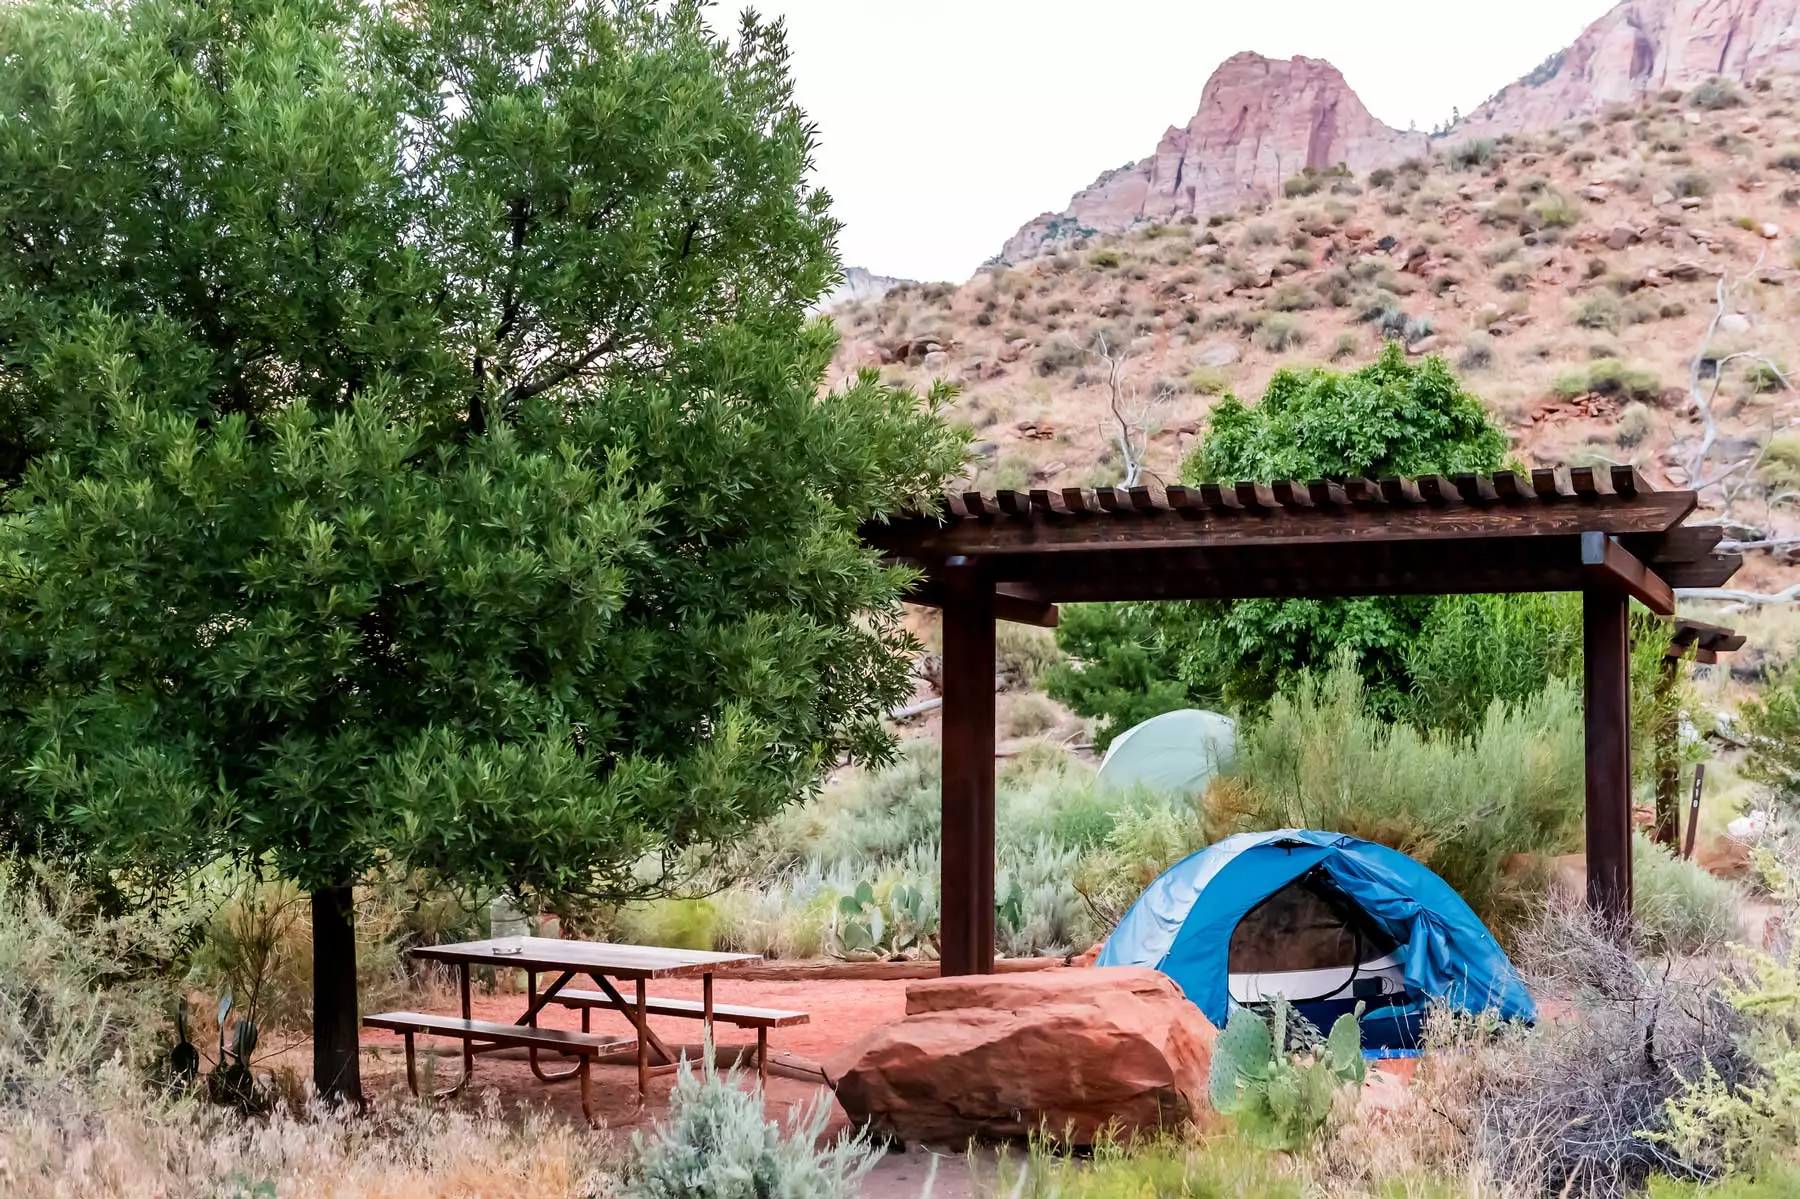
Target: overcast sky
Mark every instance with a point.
(944, 125)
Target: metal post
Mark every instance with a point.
(967, 795)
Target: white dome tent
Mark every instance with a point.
(1178, 752)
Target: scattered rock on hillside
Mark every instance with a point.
(1691, 202)
(1596, 192)
(1662, 197)
(1218, 353)
(1734, 322)
(1621, 236)
(1770, 230)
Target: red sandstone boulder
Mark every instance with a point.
(1068, 1052)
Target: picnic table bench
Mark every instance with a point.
(762, 1019)
(602, 963)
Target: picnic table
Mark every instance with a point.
(604, 964)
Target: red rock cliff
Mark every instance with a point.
(1260, 121)
(1643, 46)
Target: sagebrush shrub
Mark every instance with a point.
(717, 1143)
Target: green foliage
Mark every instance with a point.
(391, 440)
(717, 1143)
(1609, 377)
(1217, 1167)
(1104, 259)
(1600, 311)
(1208, 381)
(1733, 1128)
(1680, 907)
(1279, 333)
(1280, 1098)
(1392, 417)
(81, 996)
(1475, 650)
(1778, 1182)
(1123, 664)
(1772, 722)
(1461, 805)
(1716, 93)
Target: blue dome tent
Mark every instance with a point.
(1325, 920)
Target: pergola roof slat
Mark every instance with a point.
(1470, 533)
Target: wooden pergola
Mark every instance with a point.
(1015, 555)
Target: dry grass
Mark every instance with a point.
(117, 1142)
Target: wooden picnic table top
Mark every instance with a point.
(551, 953)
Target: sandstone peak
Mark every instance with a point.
(1260, 121)
(1639, 48)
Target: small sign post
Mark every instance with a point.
(1687, 850)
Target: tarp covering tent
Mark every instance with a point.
(1178, 752)
(1325, 920)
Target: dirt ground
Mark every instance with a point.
(842, 1013)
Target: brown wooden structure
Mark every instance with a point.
(1016, 555)
(1689, 641)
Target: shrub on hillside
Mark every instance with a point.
(1467, 156)
(1609, 377)
(1281, 333)
(1599, 311)
(1716, 93)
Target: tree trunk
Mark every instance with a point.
(337, 1066)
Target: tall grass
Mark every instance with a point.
(1461, 805)
(1068, 851)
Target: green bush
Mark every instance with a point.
(1461, 805)
(1554, 210)
(1692, 184)
(1381, 177)
(1024, 654)
(1609, 377)
(1104, 259)
(1476, 650)
(1218, 1167)
(1207, 381)
(1716, 93)
(1680, 907)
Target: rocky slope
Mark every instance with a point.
(1640, 48)
(1260, 122)
(1570, 277)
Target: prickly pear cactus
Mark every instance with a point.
(1281, 1099)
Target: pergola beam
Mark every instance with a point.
(1613, 567)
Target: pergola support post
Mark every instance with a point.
(1606, 669)
(966, 887)
(1668, 755)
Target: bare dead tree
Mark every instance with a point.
(1134, 415)
(1703, 397)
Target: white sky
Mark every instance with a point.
(944, 125)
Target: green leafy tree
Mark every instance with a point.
(1125, 665)
(414, 449)
(1391, 417)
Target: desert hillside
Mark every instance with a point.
(1573, 277)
